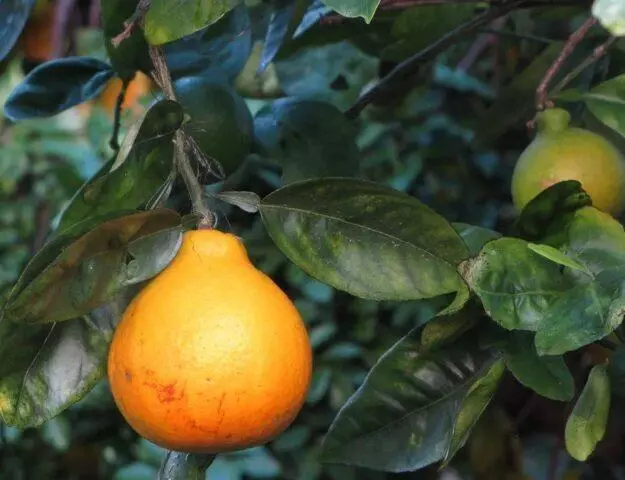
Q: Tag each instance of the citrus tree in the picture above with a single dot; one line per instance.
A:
(285, 90)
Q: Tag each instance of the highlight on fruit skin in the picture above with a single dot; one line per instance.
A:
(560, 152)
(211, 356)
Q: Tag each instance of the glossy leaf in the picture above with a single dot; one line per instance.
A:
(587, 423)
(555, 255)
(402, 417)
(143, 165)
(516, 286)
(279, 25)
(169, 20)
(13, 16)
(546, 210)
(132, 53)
(57, 85)
(606, 102)
(75, 273)
(594, 307)
(46, 368)
(366, 239)
(310, 139)
(416, 28)
(316, 10)
(354, 8)
(611, 14)
(475, 237)
(218, 51)
(184, 466)
(546, 375)
(447, 328)
(475, 402)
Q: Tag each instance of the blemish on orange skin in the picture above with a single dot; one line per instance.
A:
(128, 375)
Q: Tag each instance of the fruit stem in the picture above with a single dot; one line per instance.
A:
(553, 120)
(181, 144)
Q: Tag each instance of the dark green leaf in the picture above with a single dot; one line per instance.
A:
(416, 28)
(46, 368)
(132, 53)
(475, 237)
(277, 30)
(217, 51)
(547, 375)
(475, 402)
(587, 423)
(184, 466)
(369, 240)
(402, 417)
(596, 305)
(169, 20)
(549, 206)
(516, 286)
(310, 139)
(143, 165)
(13, 16)
(57, 85)
(354, 8)
(313, 14)
(446, 328)
(73, 274)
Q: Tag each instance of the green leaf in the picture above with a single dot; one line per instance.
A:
(611, 14)
(606, 102)
(354, 8)
(515, 285)
(595, 306)
(184, 466)
(545, 211)
(548, 376)
(132, 53)
(310, 139)
(366, 239)
(46, 368)
(13, 17)
(57, 85)
(169, 20)
(515, 104)
(416, 28)
(218, 51)
(555, 255)
(446, 328)
(587, 423)
(408, 404)
(475, 402)
(144, 163)
(75, 273)
(475, 237)
(280, 24)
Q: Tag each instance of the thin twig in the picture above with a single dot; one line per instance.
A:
(520, 36)
(181, 143)
(130, 24)
(597, 53)
(114, 142)
(479, 46)
(411, 65)
(568, 48)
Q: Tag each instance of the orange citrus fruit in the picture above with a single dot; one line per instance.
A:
(36, 39)
(560, 152)
(211, 356)
(138, 87)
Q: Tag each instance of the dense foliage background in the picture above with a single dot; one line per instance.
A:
(451, 140)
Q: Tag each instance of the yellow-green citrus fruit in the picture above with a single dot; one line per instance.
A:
(560, 152)
(220, 121)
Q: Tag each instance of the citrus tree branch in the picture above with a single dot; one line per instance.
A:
(114, 142)
(181, 143)
(597, 53)
(411, 65)
(570, 45)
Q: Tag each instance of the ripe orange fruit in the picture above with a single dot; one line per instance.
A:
(211, 356)
(138, 87)
(36, 39)
(560, 152)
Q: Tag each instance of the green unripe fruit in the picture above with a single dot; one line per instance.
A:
(560, 152)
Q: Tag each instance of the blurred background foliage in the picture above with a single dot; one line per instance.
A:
(451, 140)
